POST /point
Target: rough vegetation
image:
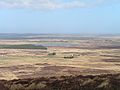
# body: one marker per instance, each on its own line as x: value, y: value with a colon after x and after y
x: 51, y: 54
x: 89, y: 82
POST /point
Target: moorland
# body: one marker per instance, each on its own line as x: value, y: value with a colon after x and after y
x: 35, y: 56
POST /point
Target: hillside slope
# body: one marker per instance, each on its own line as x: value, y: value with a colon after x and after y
x: 99, y: 82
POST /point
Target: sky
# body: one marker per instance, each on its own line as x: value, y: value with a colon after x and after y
x: 60, y: 16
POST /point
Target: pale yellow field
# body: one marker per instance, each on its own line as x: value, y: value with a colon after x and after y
x: 15, y: 64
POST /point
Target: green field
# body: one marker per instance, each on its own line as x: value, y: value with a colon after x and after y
x: 23, y: 46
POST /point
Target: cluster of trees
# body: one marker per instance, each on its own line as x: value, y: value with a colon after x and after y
x: 23, y: 46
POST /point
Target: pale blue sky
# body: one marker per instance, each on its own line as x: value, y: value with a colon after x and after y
x: 63, y: 16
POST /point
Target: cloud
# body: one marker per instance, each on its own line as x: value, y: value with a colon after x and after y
x: 46, y: 4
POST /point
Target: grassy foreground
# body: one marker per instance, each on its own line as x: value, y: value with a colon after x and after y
x: 99, y: 82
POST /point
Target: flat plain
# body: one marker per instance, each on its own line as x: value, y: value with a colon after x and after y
x: 60, y: 55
